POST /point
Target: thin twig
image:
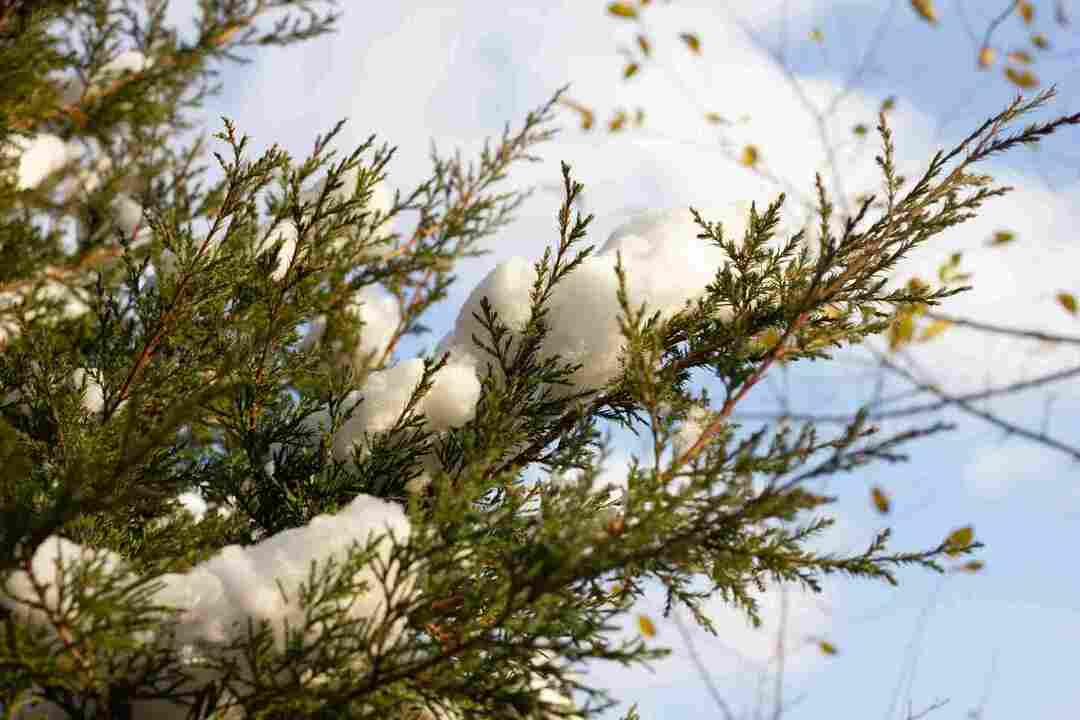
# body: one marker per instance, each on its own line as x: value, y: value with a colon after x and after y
x: 964, y: 405
x: 999, y: 330
x: 703, y: 672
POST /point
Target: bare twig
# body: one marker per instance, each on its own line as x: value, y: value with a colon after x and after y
x: 999, y: 330
x: 703, y: 672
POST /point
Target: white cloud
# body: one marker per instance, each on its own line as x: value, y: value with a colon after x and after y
x: 738, y: 655
x: 996, y: 470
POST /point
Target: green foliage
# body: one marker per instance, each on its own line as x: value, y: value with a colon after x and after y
x: 203, y: 380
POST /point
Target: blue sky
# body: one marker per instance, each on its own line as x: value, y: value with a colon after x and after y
x: 456, y: 72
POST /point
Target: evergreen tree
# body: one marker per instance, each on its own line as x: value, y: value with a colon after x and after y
x: 408, y: 538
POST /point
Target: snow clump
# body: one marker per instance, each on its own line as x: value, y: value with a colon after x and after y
x: 377, y: 311
x: 93, y: 396
x: 39, y: 157
x: 239, y: 583
x: 450, y: 402
x: 667, y: 267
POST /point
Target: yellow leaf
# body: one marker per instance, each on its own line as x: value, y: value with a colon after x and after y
x: 881, y: 500
x: 934, y: 329
x: 629, y: 70
x: 617, y: 122
x: 1021, y: 78
x: 1039, y: 40
x: 714, y: 118
x: 901, y: 330
x: 1020, y: 57
x: 826, y: 647
x: 646, y: 626
x: 959, y: 540
x: 586, y: 114
x: 817, y: 36
x: 1067, y: 301
x: 1026, y: 10
x: 987, y: 56
x: 227, y: 33
x: 1001, y: 237
x: 622, y: 10
x: 643, y: 43
x: 972, y: 566
x: 766, y: 340
x: 749, y: 156
x: 925, y: 9
x: 692, y: 41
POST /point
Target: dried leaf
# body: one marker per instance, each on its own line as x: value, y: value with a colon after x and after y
x: 1021, y: 78
x: 692, y: 41
x: 749, y: 156
x: 1002, y: 237
x: 643, y: 43
x: 1021, y: 57
x: 1067, y: 301
x: 916, y: 285
x: 817, y: 36
x: 639, y: 117
x: 959, y: 540
x: 881, y: 500
x: 925, y: 10
x: 826, y: 647
x: 1026, y: 10
x: 623, y: 10
x: 888, y: 104
x: 586, y: 114
x: 972, y: 566
x: 934, y: 329
x: 1039, y: 40
x: 646, y: 626
x: 630, y: 70
x: 618, y: 122
x: 987, y: 56
x: 715, y: 118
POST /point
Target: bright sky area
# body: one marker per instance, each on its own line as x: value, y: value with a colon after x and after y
x: 1002, y: 640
